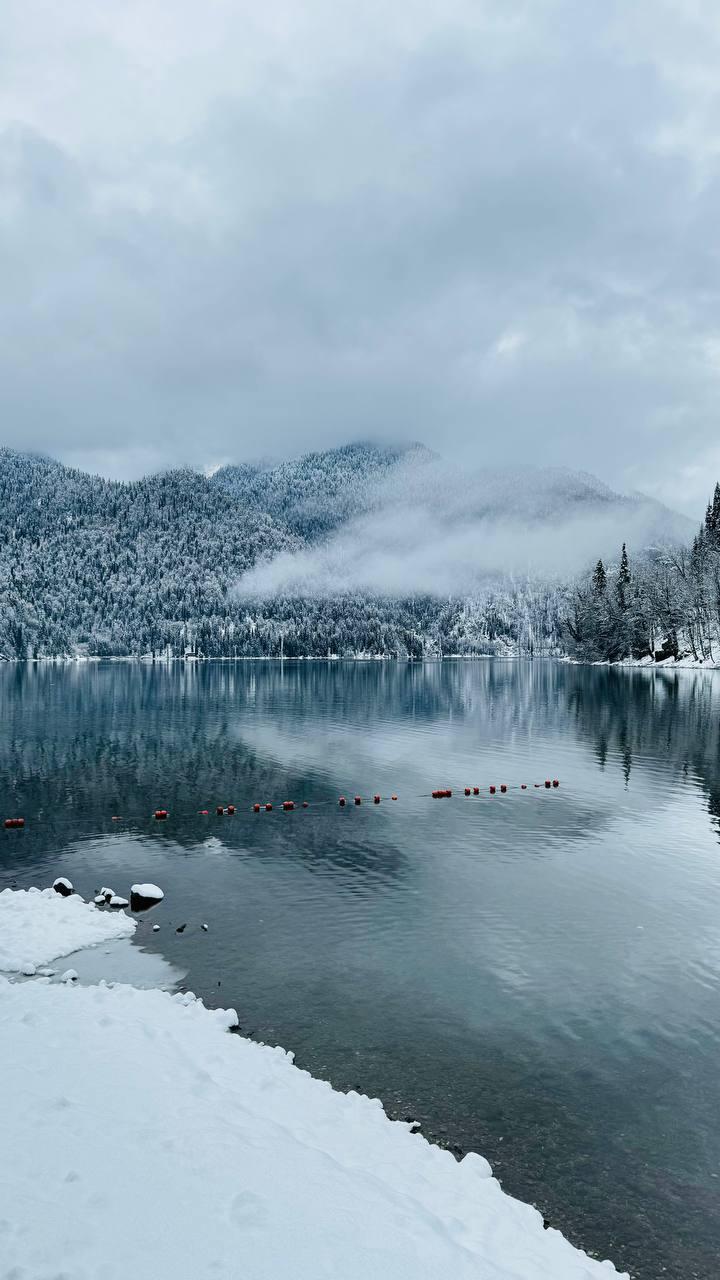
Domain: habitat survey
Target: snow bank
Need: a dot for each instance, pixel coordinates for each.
(224, 1159)
(38, 925)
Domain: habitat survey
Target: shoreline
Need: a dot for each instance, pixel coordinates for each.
(631, 664)
(407, 1208)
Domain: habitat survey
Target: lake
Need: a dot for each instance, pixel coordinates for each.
(533, 975)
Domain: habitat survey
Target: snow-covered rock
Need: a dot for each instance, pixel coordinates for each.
(70, 975)
(117, 901)
(250, 1165)
(38, 925)
(147, 891)
(62, 886)
(143, 896)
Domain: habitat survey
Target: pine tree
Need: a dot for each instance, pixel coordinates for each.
(712, 517)
(623, 579)
(599, 579)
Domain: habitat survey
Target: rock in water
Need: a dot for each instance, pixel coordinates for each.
(144, 896)
(62, 886)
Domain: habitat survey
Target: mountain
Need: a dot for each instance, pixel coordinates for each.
(315, 494)
(99, 567)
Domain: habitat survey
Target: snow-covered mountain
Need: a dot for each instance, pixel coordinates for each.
(392, 549)
(318, 492)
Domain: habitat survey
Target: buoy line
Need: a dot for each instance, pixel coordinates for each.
(287, 806)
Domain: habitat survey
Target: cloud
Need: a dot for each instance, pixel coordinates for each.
(431, 529)
(228, 229)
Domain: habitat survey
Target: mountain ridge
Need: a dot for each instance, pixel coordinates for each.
(107, 567)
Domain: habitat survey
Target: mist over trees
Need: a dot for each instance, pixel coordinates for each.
(97, 568)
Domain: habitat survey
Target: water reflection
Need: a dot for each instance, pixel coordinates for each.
(536, 976)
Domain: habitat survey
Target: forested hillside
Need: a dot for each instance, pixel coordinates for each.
(155, 567)
(667, 605)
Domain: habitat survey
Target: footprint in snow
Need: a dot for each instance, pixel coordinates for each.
(247, 1209)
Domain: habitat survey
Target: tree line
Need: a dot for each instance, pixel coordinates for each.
(666, 605)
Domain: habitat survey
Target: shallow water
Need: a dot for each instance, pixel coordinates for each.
(533, 975)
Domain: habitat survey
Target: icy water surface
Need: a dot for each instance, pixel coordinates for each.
(535, 976)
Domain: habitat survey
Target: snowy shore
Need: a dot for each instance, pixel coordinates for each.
(649, 664)
(145, 1140)
(38, 925)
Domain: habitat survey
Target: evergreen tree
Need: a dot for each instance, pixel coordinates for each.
(599, 579)
(712, 517)
(623, 579)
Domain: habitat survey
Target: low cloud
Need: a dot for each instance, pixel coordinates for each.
(434, 531)
(488, 225)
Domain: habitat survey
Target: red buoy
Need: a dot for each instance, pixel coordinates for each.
(376, 799)
(203, 812)
(161, 813)
(467, 791)
(256, 808)
(476, 791)
(393, 797)
(503, 786)
(358, 799)
(523, 786)
(548, 784)
(556, 782)
(342, 801)
(288, 804)
(219, 810)
(231, 808)
(268, 808)
(492, 791)
(14, 822)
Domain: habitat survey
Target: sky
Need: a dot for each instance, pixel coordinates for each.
(231, 230)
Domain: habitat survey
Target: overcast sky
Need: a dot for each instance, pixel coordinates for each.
(232, 229)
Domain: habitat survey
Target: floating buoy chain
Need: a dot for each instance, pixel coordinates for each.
(440, 793)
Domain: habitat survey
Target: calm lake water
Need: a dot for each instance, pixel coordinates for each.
(535, 976)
